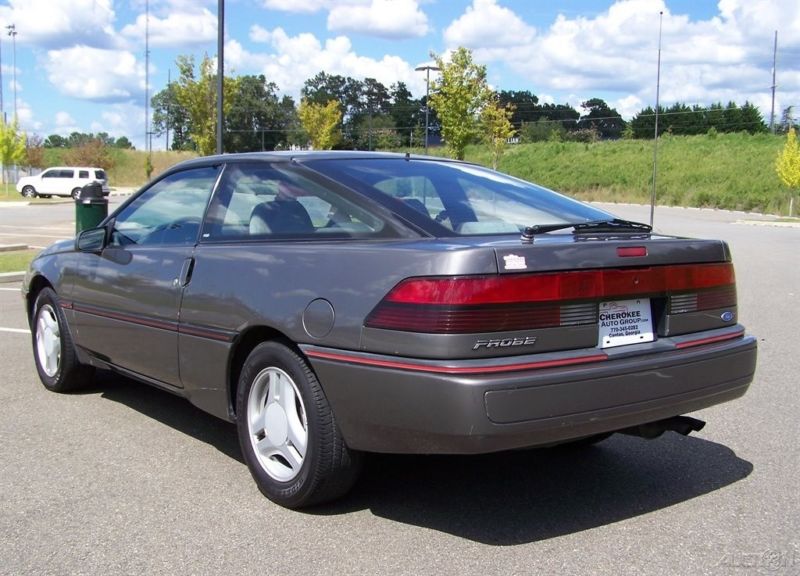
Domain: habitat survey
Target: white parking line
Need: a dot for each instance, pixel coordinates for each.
(10, 289)
(15, 330)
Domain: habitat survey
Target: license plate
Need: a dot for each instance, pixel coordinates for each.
(625, 322)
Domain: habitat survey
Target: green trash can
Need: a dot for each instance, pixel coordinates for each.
(91, 207)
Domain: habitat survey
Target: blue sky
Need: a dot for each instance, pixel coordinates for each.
(80, 64)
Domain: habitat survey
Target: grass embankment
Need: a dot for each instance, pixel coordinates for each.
(731, 171)
(16, 260)
(128, 165)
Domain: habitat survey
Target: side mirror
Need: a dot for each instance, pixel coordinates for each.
(92, 240)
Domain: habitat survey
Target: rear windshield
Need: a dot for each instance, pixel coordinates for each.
(457, 198)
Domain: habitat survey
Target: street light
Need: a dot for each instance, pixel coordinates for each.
(427, 68)
(12, 31)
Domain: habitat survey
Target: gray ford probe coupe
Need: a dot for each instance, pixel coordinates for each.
(332, 304)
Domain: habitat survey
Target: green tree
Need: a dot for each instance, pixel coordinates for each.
(124, 143)
(605, 120)
(405, 112)
(788, 162)
(458, 96)
(751, 118)
(258, 119)
(497, 127)
(169, 115)
(321, 122)
(198, 98)
(55, 141)
(12, 146)
(526, 108)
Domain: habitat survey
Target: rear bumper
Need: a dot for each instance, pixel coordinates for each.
(383, 405)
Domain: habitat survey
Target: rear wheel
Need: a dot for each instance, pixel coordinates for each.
(76, 193)
(29, 191)
(287, 431)
(53, 350)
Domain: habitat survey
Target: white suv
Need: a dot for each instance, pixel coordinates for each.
(61, 181)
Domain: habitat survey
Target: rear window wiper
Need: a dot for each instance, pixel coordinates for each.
(596, 226)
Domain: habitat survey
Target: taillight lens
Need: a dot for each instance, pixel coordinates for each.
(473, 304)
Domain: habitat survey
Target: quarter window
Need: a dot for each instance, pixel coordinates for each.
(260, 201)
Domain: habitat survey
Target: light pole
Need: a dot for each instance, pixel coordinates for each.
(2, 109)
(12, 31)
(427, 68)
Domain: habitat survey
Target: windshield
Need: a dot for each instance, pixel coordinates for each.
(456, 198)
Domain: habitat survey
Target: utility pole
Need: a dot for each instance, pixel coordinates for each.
(220, 71)
(169, 106)
(2, 110)
(427, 68)
(655, 137)
(147, 143)
(774, 85)
(12, 31)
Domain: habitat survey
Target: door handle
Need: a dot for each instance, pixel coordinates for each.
(186, 273)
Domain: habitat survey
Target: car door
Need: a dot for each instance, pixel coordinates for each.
(49, 183)
(126, 299)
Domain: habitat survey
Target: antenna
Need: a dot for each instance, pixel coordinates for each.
(655, 137)
(774, 85)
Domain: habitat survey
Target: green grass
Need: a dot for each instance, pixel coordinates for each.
(730, 171)
(16, 261)
(128, 165)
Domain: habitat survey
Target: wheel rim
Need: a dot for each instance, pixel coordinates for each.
(48, 341)
(27, 192)
(76, 193)
(277, 424)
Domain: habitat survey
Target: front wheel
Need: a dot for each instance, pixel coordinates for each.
(76, 193)
(28, 191)
(53, 350)
(287, 431)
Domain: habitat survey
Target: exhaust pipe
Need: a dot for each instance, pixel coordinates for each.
(681, 424)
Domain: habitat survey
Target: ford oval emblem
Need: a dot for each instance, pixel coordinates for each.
(726, 316)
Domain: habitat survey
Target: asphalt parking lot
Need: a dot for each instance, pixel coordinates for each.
(125, 479)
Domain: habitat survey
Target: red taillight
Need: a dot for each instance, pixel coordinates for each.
(471, 304)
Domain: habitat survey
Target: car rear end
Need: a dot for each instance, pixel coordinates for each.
(569, 334)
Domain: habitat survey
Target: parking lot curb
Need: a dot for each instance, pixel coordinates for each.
(8, 277)
(12, 247)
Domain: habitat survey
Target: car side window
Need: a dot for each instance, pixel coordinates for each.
(262, 201)
(169, 212)
(83, 174)
(50, 174)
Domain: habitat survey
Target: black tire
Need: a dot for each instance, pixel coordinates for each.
(76, 193)
(28, 191)
(53, 349)
(272, 374)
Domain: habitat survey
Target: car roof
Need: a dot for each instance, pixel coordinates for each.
(299, 155)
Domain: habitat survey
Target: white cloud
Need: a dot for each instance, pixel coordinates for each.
(95, 74)
(58, 24)
(487, 25)
(64, 123)
(175, 29)
(726, 57)
(259, 34)
(382, 18)
(307, 6)
(293, 59)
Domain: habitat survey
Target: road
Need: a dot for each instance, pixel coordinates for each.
(124, 479)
